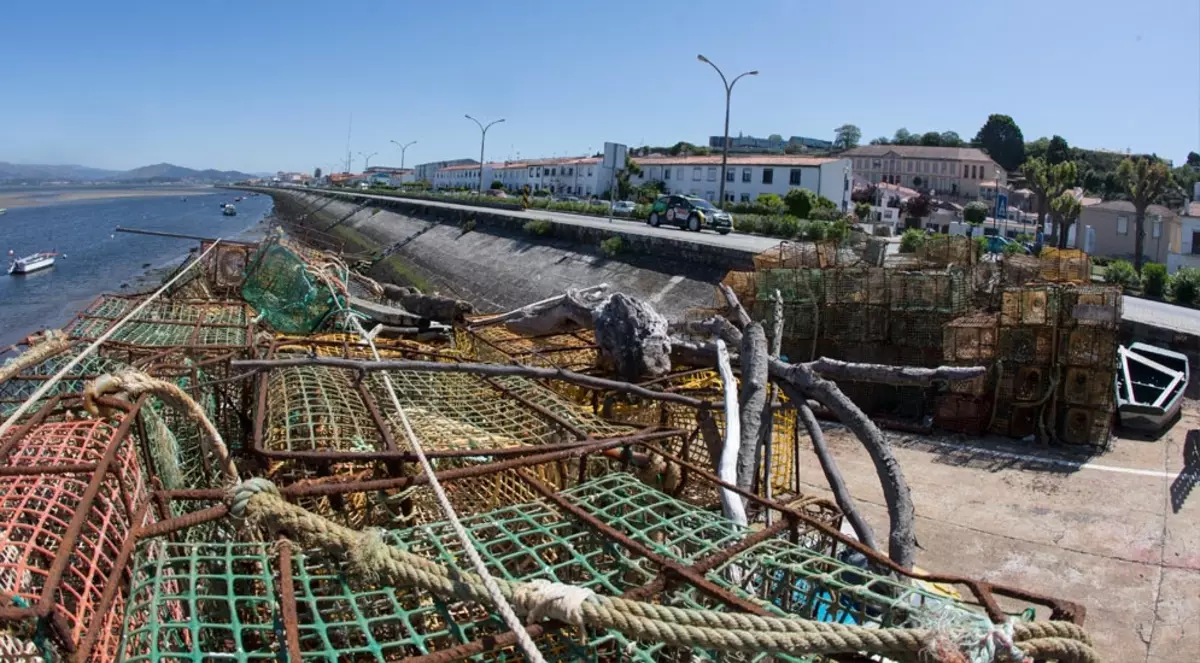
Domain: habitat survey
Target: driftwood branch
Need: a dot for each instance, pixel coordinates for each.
(909, 376)
(734, 306)
(753, 400)
(490, 370)
(768, 413)
(731, 504)
(536, 308)
(834, 476)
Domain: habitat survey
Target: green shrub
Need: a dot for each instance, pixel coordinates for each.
(788, 226)
(747, 223)
(1185, 286)
(862, 210)
(770, 225)
(839, 231)
(1013, 248)
(1121, 272)
(1100, 261)
(981, 245)
(1154, 279)
(611, 247)
(911, 240)
(1024, 237)
(770, 203)
(497, 184)
(818, 231)
(800, 202)
(825, 214)
(975, 212)
(538, 227)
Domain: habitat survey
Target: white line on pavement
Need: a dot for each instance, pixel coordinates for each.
(1062, 462)
(674, 281)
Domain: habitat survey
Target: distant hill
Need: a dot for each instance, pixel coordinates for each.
(12, 173)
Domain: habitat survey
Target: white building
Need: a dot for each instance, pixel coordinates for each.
(425, 172)
(576, 176)
(463, 175)
(748, 176)
(1189, 244)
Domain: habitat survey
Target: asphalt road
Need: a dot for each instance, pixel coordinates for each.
(749, 243)
(1162, 314)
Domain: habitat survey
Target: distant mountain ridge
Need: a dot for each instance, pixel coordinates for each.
(13, 173)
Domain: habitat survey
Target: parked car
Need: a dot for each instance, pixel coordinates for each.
(623, 207)
(689, 212)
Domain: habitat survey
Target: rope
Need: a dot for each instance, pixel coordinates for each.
(51, 343)
(65, 370)
(497, 599)
(134, 383)
(260, 504)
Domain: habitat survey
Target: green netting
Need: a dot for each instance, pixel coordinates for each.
(15, 390)
(286, 291)
(212, 313)
(317, 408)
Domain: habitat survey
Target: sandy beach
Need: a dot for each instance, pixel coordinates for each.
(34, 197)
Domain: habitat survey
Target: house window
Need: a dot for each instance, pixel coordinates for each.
(746, 175)
(794, 177)
(745, 198)
(696, 174)
(589, 191)
(925, 165)
(1156, 229)
(966, 170)
(666, 173)
(943, 167)
(712, 174)
(1195, 242)
(711, 196)
(768, 176)
(1122, 225)
(908, 166)
(679, 174)
(589, 171)
(876, 164)
(729, 175)
(729, 196)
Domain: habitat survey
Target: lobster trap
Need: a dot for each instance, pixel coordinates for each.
(294, 292)
(573, 351)
(211, 325)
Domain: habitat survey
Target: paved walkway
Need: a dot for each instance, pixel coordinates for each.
(1117, 533)
(1162, 314)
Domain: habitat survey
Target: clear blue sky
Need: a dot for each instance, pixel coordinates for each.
(261, 86)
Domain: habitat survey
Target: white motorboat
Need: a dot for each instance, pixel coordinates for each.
(30, 263)
(229, 210)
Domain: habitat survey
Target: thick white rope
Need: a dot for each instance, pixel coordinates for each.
(49, 384)
(549, 600)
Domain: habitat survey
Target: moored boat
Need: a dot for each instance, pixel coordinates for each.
(229, 210)
(1150, 385)
(30, 263)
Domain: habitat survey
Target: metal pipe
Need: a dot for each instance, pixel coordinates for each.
(159, 233)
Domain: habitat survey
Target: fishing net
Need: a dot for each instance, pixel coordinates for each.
(292, 295)
(18, 388)
(166, 323)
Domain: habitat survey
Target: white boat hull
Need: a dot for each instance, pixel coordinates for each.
(27, 265)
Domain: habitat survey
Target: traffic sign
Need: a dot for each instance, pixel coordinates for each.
(1001, 206)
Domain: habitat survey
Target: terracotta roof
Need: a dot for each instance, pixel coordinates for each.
(920, 152)
(898, 190)
(734, 159)
(469, 166)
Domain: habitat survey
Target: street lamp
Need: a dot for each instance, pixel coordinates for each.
(403, 149)
(728, 94)
(367, 160)
(482, 138)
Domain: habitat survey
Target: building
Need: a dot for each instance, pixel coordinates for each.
(749, 176)
(390, 176)
(461, 176)
(424, 172)
(1114, 225)
(773, 144)
(1188, 254)
(573, 176)
(948, 171)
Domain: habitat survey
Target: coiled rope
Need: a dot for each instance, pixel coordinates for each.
(51, 343)
(259, 503)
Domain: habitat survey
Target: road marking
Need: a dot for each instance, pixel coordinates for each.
(1062, 462)
(674, 281)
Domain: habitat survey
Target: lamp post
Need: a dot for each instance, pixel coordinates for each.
(482, 138)
(403, 149)
(367, 160)
(728, 94)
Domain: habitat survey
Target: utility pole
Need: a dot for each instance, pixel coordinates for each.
(367, 159)
(482, 139)
(349, 129)
(728, 95)
(403, 149)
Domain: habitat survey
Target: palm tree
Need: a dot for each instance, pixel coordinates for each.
(1066, 208)
(1143, 179)
(1049, 182)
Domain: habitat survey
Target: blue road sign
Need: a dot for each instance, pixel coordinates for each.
(1001, 206)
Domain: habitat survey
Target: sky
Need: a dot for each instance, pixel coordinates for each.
(269, 85)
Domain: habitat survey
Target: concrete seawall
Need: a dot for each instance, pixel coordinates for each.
(487, 258)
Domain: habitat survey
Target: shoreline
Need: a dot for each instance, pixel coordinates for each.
(31, 198)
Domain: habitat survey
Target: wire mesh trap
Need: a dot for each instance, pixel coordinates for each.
(211, 324)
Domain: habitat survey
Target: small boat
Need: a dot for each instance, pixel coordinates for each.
(30, 263)
(3, 210)
(1150, 385)
(229, 210)
(238, 199)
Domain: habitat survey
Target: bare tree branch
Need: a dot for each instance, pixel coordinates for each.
(753, 402)
(535, 308)
(834, 477)
(492, 370)
(731, 504)
(740, 317)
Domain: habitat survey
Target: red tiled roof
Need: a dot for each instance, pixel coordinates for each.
(734, 159)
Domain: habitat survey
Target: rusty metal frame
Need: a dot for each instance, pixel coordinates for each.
(45, 608)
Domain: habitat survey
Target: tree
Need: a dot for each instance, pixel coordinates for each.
(902, 137)
(931, 139)
(497, 184)
(951, 139)
(846, 137)
(882, 140)
(917, 181)
(918, 206)
(975, 213)
(1037, 148)
(1066, 208)
(1143, 179)
(1057, 151)
(624, 188)
(316, 173)
(1048, 182)
(775, 137)
(862, 210)
(1001, 138)
(1193, 160)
